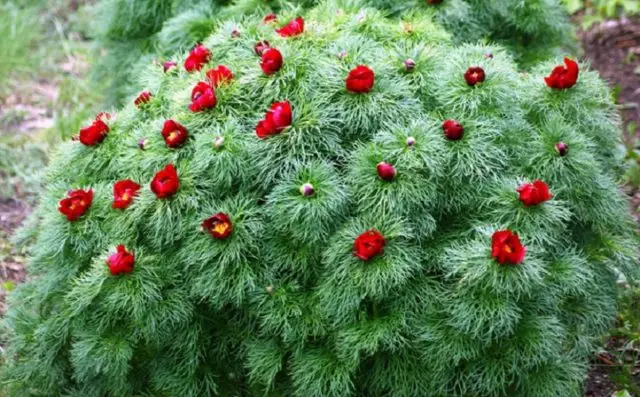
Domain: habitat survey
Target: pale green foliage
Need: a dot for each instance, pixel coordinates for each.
(283, 307)
(531, 30)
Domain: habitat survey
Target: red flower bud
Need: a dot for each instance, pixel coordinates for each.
(277, 119)
(76, 203)
(307, 189)
(563, 77)
(562, 149)
(293, 28)
(506, 248)
(120, 262)
(235, 34)
(218, 143)
(221, 74)
(174, 134)
(123, 193)
(143, 98)
(474, 75)
(386, 171)
(96, 132)
(197, 58)
(271, 61)
(168, 65)
(409, 65)
(166, 182)
(219, 226)
(269, 18)
(411, 141)
(360, 79)
(368, 244)
(203, 97)
(488, 55)
(141, 143)
(260, 47)
(452, 130)
(534, 193)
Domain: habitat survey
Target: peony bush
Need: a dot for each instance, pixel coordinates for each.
(328, 204)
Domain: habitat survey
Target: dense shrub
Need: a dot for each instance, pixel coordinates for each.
(381, 214)
(134, 32)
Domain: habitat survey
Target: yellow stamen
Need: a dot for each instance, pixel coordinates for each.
(221, 228)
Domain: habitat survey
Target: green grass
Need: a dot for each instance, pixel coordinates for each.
(45, 93)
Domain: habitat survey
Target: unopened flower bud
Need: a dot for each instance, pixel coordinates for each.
(307, 189)
(218, 143)
(562, 148)
(409, 65)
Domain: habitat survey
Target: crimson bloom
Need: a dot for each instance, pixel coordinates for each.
(277, 119)
(219, 226)
(143, 97)
(506, 248)
(271, 61)
(221, 74)
(474, 75)
(96, 132)
(293, 28)
(121, 262)
(534, 193)
(386, 171)
(260, 47)
(563, 76)
(197, 58)
(203, 97)
(452, 130)
(76, 203)
(360, 80)
(368, 244)
(123, 193)
(174, 133)
(269, 18)
(166, 182)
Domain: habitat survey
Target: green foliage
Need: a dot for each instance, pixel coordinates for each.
(282, 307)
(532, 30)
(19, 29)
(596, 11)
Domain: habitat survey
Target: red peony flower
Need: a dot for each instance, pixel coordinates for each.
(166, 182)
(76, 203)
(271, 61)
(121, 262)
(452, 130)
(221, 74)
(534, 193)
(277, 119)
(123, 193)
(96, 132)
(174, 134)
(197, 58)
(260, 47)
(203, 97)
(219, 226)
(168, 65)
(368, 244)
(506, 248)
(474, 75)
(386, 171)
(143, 97)
(269, 18)
(360, 79)
(293, 28)
(563, 77)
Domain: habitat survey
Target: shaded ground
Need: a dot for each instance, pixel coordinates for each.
(613, 47)
(614, 50)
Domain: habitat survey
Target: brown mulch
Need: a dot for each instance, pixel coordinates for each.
(613, 47)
